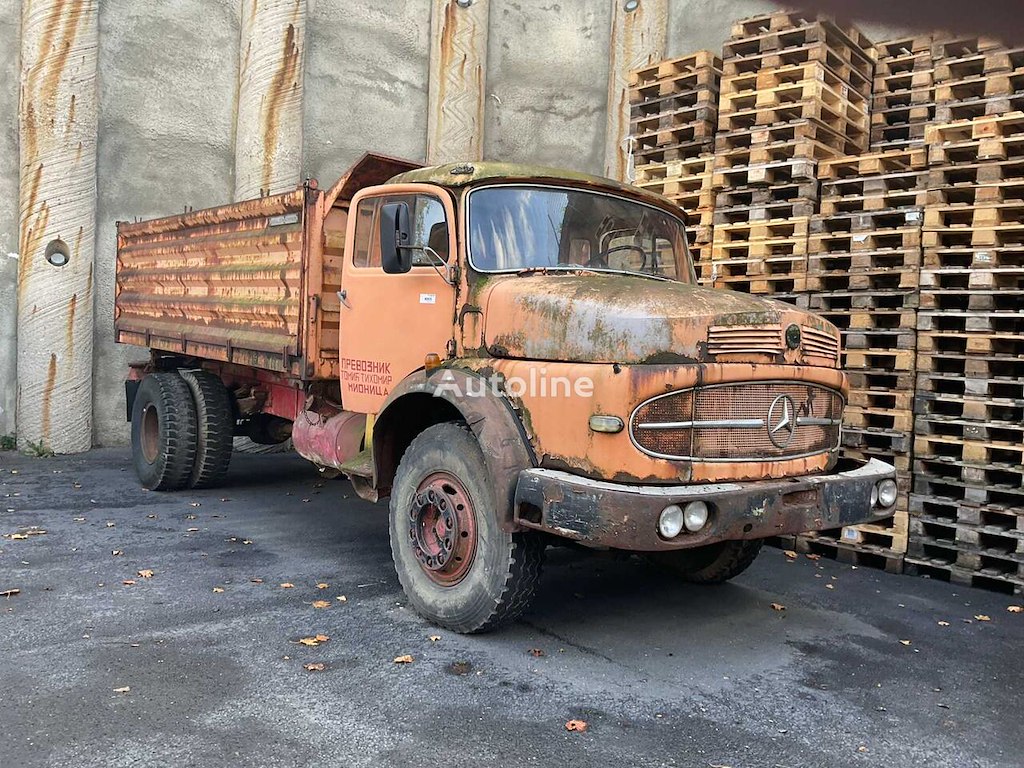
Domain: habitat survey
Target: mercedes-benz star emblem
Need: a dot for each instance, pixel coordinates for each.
(782, 421)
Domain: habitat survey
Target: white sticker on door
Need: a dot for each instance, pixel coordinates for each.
(428, 298)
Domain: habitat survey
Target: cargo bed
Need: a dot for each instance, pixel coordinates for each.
(253, 283)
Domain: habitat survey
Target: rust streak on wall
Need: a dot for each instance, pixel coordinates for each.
(638, 38)
(457, 80)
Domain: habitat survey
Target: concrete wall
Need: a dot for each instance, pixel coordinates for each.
(167, 109)
(10, 25)
(166, 140)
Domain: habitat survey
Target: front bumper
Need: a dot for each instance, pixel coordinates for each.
(604, 514)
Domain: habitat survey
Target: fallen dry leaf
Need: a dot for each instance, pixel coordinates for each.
(22, 535)
(193, 530)
(778, 607)
(321, 585)
(536, 652)
(341, 599)
(830, 586)
(246, 541)
(194, 504)
(576, 725)
(128, 582)
(287, 585)
(434, 638)
(406, 659)
(78, 519)
(117, 552)
(146, 573)
(314, 641)
(256, 580)
(1015, 608)
(10, 592)
(983, 617)
(316, 667)
(321, 604)
(943, 623)
(218, 589)
(126, 689)
(813, 557)
(904, 642)
(788, 553)
(190, 517)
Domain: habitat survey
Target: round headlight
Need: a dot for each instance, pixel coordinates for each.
(887, 493)
(670, 522)
(695, 516)
(793, 336)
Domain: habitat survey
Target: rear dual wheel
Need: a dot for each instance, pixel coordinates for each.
(182, 431)
(458, 568)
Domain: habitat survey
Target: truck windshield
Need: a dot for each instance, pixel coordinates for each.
(514, 228)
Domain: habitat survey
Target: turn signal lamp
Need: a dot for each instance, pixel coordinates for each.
(432, 361)
(608, 424)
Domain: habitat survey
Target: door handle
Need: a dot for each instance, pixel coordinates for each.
(343, 298)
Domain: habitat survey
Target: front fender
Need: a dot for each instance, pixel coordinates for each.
(423, 399)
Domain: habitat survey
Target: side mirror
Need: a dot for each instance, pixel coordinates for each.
(395, 238)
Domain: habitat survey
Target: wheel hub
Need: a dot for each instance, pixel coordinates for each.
(442, 528)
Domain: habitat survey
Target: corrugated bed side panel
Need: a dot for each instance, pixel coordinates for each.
(222, 284)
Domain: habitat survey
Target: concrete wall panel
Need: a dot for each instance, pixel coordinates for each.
(167, 98)
(366, 82)
(547, 83)
(10, 30)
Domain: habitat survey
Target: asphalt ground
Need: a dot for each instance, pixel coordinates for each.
(183, 648)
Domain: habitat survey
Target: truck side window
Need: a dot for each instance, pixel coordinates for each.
(429, 229)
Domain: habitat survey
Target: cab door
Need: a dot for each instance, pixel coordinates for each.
(390, 323)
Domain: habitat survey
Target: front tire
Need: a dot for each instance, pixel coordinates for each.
(711, 564)
(163, 432)
(458, 568)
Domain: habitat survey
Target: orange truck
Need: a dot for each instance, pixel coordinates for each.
(512, 355)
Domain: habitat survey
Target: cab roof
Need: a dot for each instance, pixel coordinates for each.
(457, 175)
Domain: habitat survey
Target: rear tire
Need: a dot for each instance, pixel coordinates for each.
(711, 564)
(458, 568)
(163, 432)
(216, 428)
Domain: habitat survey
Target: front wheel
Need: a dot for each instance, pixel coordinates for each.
(711, 564)
(458, 568)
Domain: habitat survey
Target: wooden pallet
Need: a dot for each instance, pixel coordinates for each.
(981, 195)
(698, 61)
(698, 85)
(974, 109)
(864, 554)
(873, 164)
(883, 378)
(902, 48)
(1010, 235)
(903, 239)
(697, 130)
(780, 173)
(800, 149)
(673, 113)
(977, 63)
(786, 209)
(869, 281)
(941, 571)
(660, 172)
(903, 263)
(786, 133)
(902, 89)
(820, 53)
(887, 219)
(980, 259)
(760, 37)
(850, 123)
(667, 154)
(790, 82)
(767, 195)
(833, 204)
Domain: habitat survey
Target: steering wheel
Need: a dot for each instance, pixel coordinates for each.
(601, 259)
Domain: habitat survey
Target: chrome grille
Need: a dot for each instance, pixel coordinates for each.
(742, 339)
(746, 421)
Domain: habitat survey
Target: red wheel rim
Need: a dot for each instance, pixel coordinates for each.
(442, 528)
(150, 434)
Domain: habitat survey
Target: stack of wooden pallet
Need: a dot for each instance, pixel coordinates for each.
(795, 91)
(865, 258)
(968, 501)
(673, 117)
(904, 93)
(975, 77)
